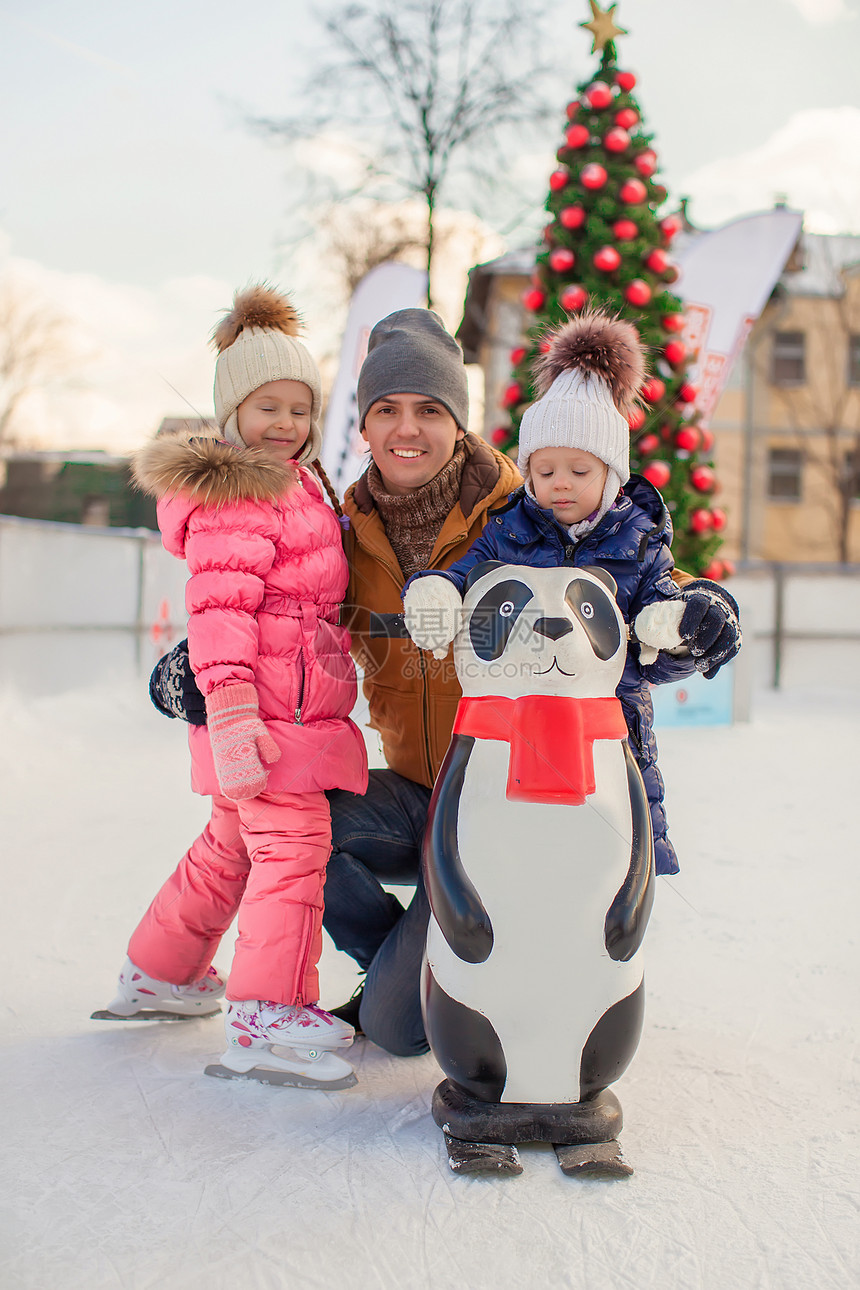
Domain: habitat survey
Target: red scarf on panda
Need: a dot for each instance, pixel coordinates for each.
(552, 741)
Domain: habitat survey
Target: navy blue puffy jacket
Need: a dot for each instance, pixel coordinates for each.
(631, 543)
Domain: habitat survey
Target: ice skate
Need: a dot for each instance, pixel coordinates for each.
(284, 1044)
(141, 998)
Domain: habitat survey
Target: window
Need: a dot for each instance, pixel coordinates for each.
(854, 360)
(789, 365)
(852, 472)
(784, 468)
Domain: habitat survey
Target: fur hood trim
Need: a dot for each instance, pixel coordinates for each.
(597, 344)
(209, 471)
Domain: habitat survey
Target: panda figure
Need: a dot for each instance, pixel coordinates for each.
(539, 867)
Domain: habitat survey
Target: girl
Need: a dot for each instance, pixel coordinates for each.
(267, 575)
(580, 506)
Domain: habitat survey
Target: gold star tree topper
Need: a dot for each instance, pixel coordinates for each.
(602, 26)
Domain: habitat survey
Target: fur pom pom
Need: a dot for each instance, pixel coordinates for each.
(595, 342)
(257, 306)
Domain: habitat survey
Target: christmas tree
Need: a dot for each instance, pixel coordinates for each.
(606, 245)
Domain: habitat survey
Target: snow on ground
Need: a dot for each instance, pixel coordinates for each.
(126, 1167)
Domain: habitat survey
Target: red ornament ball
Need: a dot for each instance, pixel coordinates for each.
(648, 443)
(625, 80)
(670, 227)
(616, 140)
(594, 176)
(513, 395)
(498, 436)
(673, 322)
(636, 420)
(625, 230)
(545, 345)
(549, 233)
(666, 433)
(718, 519)
(626, 118)
(728, 569)
(715, 570)
(517, 355)
(633, 192)
(533, 299)
(657, 473)
(672, 274)
(707, 439)
(646, 162)
(687, 439)
(703, 479)
(561, 260)
(559, 179)
(688, 393)
(572, 109)
(700, 521)
(599, 95)
(660, 194)
(653, 389)
(577, 136)
(572, 216)
(606, 259)
(573, 298)
(657, 260)
(675, 352)
(637, 293)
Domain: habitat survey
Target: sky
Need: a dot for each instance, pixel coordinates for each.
(134, 196)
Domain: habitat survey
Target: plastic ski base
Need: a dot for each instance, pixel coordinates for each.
(152, 1014)
(288, 1079)
(482, 1157)
(592, 1160)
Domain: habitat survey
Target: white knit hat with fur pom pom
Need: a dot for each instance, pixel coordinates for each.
(256, 343)
(588, 382)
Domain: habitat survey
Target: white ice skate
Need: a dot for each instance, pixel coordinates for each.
(141, 998)
(278, 1043)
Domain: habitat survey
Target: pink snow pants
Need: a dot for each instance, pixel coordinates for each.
(266, 859)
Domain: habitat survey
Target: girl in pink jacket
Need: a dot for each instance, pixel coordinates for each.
(267, 576)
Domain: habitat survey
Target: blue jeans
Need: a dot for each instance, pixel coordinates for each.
(376, 838)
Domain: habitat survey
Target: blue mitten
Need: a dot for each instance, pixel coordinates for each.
(710, 625)
(173, 687)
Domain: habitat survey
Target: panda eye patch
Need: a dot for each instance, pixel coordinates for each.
(494, 617)
(593, 609)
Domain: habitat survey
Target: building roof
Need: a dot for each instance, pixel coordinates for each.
(822, 259)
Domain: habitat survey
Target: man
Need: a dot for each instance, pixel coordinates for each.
(420, 505)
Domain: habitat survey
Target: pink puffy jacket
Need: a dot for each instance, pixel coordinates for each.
(267, 577)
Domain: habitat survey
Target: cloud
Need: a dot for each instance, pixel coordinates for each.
(140, 355)
(819, 12)
(813, 161)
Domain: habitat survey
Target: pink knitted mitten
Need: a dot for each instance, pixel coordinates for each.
(239, 741)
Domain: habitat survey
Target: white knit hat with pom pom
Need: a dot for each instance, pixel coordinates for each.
(588, 382)
(256, 343)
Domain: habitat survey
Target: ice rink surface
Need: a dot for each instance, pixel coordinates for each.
(125, 1167)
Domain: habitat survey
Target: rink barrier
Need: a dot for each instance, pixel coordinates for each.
(804, 619)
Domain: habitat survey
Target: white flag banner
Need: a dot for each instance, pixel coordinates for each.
(726, 280)
(385, 289)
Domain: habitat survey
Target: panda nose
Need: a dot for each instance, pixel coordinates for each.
(553, 627)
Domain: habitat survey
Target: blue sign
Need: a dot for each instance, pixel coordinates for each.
(695, 701)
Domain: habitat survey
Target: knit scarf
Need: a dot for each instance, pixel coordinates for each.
(412, 522)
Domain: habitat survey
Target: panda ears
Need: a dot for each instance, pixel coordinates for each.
(602, 576)
(480, 571)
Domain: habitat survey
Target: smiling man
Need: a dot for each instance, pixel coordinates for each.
(421, 503)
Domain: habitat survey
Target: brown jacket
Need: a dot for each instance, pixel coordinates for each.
(412, 696)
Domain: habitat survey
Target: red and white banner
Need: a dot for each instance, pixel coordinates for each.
(385, 289)
(727, 277)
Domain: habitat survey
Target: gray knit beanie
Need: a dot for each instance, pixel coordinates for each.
(588, 382)
(256, 343)
(410, 352)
